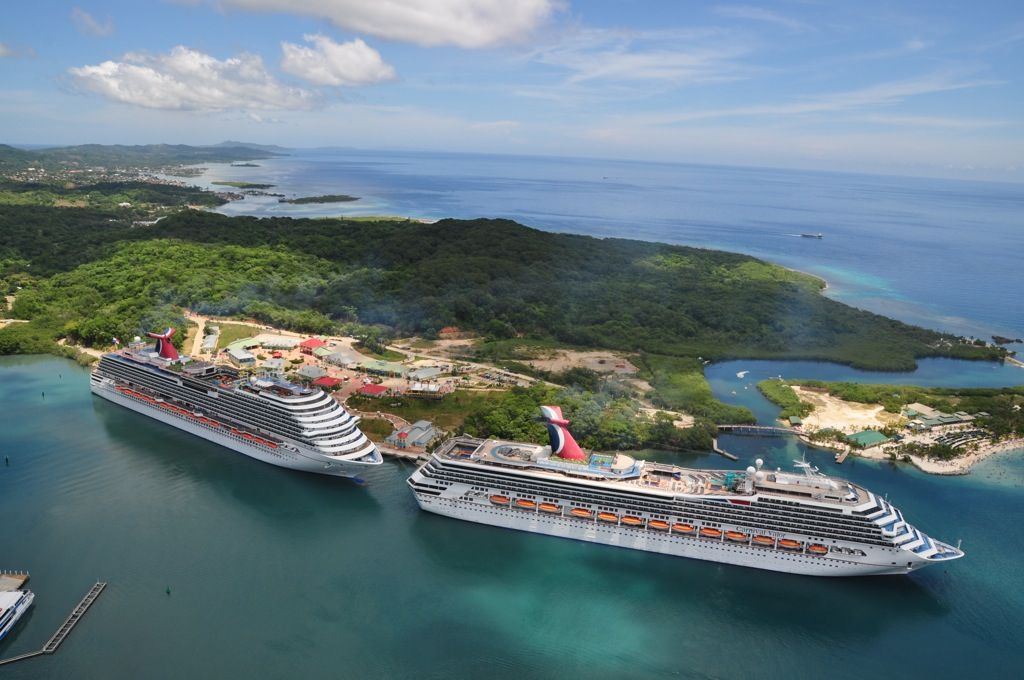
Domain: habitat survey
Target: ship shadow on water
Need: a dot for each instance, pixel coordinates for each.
(278, 493)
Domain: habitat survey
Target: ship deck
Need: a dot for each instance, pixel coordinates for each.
(618, 470)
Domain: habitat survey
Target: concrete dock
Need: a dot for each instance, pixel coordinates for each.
(12, 580)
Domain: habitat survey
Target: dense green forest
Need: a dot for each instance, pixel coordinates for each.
(781, 394)
(87, 275)
(106, 196)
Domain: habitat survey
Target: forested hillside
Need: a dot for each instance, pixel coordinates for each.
(88, 275)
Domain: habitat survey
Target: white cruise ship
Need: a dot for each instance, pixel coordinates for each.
(13, 603)
(262, 416)
(800, 522)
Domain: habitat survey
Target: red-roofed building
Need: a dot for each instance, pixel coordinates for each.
(307, 346)
(327, 381)
(373, 390)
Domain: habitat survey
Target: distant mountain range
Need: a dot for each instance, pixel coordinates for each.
(145, 155)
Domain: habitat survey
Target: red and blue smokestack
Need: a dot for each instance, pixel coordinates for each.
(163, 344)
(562, 443)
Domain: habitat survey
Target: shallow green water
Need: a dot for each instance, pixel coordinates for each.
(275, 574)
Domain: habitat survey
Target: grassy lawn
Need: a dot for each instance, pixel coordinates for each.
(376, 428)
(230, 332)
(448, 413)
(388, 355)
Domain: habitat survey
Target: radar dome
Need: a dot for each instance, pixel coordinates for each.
(751, 470)
(759, 462)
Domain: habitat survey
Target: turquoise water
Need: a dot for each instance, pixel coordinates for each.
(938, 253)
(275, 574)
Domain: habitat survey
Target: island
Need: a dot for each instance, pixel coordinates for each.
(245, 165)
(618, 331)
(242, 185)
(327, 198)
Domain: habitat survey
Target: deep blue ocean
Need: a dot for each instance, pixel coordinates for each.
(275, 574)
(944, 254)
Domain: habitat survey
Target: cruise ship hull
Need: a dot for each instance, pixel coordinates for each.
(297, 459)
(480, 509)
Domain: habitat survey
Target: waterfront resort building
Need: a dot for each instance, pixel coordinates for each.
(426, 390)
(275, 366)
(426, 373)
(307, 346)
(311, 372)
(373, 390)
(380, 367)
(344, 358)
(867, 439)
(420, 434)
(241, 357)
(327, 382)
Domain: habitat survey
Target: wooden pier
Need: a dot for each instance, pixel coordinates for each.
(69, 624)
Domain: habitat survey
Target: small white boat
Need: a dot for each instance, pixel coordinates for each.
(13, 603)
(742, 374)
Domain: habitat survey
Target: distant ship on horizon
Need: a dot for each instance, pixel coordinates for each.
(261, 416)
(801, 522)
(818, 235)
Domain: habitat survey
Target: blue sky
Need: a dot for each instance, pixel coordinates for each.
(929, 88)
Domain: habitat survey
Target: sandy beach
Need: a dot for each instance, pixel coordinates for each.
(845, 416)
(958, 466)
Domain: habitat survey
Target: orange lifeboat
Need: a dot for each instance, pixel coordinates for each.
(658, 524)
(736, 536)
(608, 517)
(550, 507)
(789, 544)
(500, 500)
(272, 445)
(817, 549)
(525, 503)
(764, 540)
(581, 512)
(680, 528)
(710, 532)
(632, 521)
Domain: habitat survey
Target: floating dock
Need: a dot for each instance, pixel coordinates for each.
(69, 624)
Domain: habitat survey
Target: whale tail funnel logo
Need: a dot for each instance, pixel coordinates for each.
(562, 443)
(163, 344)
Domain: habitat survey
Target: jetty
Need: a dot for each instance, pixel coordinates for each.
(69, 624)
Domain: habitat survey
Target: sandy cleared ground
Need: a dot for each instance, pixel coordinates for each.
(602, 362)
(958, 466)
(846, 416)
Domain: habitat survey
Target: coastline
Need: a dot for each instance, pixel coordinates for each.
(958, 466)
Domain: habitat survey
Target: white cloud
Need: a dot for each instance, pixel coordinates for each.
(749, 13)
(881, 94)
(330, 63)
(706, 55)
(88, 25)
(187, 79)
(6, 51)
(463, 23)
